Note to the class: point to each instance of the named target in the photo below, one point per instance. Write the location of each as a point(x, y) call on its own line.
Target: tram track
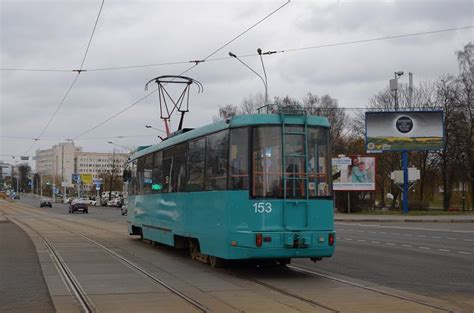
point(84, 302)
point(77, 291)
point(146, 273)
point(305, 270)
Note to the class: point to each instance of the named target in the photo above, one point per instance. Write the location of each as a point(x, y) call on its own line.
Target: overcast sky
point(54, 35)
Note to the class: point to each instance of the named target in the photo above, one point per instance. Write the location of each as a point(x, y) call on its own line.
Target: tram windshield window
point(216, 160)
point(196, 158)
point(238, 158)
point(319, 163)
point(266, 162)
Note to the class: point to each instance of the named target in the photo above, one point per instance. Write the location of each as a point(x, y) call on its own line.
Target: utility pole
point(410, 89)
point(112, 175)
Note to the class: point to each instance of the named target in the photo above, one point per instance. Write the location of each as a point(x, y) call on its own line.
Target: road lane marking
point(444, 250)
point(361, 240)
point(435, 237)
point(464, 252)
point(450, 238)
point(422, 236)
point(409, 235)
point(348, 238)
point(408, 246)
point(424, 248)
point(390, 243)
point(375, 241)
point(468, 240)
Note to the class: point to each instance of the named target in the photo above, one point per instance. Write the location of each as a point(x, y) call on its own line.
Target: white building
point(97, 163)
point(64, 159)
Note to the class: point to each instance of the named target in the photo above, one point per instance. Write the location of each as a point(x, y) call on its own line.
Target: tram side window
point(133, 181)
point(266, 162)
point(147, 173)
point(239, 158)
point(156, 175)
point(178, 179)
point(140, 177)
point(196, 158)
point(217, 160)
point(167, 169)
point(319, 162)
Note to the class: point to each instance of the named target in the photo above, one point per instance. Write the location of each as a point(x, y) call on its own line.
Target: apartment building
point(64, 159)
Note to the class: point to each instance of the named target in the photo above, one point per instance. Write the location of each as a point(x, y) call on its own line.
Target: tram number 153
point(262, 207)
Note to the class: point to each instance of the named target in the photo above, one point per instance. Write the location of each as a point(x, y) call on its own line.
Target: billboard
point(404, 130)
point(353, 174)
point(86, 179)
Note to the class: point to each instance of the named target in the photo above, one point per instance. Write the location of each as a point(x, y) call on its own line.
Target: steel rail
point(72, 283)
point(129, 263)
point(305, 270)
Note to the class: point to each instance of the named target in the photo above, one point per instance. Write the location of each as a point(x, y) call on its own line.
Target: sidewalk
point(343, 217)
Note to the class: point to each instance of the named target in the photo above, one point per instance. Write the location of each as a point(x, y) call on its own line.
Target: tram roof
point(234, 122)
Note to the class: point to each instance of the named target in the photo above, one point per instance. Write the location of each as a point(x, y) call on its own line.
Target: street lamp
point(264, 81)
point(394, 86)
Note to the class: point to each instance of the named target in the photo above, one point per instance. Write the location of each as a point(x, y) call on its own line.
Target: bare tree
point(328, 107)
point(466, 82)
point(226, 112)
point(251, 103)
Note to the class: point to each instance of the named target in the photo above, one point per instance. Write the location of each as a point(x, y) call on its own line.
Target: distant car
point(92, 202)
point(45, 202)
point(79, 205)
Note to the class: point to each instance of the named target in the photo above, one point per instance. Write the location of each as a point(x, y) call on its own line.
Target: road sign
point(76, 179)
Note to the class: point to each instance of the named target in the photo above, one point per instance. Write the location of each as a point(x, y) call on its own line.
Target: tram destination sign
point(404, 130)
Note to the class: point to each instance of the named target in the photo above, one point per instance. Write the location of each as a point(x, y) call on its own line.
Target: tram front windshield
point(293, 169)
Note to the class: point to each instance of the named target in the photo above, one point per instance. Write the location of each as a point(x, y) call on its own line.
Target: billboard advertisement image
point(353, 174)
point(404, 130)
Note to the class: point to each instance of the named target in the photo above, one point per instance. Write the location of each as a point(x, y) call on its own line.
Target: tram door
point(295, 177)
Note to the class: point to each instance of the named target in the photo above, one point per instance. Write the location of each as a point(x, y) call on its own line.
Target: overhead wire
point(391, 37)
point(197, 62)
point(247, 55)
point(35, 140)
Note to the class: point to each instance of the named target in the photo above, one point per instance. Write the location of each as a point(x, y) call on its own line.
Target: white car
point(92, 202)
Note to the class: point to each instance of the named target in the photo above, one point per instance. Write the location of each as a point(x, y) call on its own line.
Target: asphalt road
point(95, 212)
point(433, 259)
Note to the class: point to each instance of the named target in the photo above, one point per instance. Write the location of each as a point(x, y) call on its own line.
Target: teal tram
point(250, 187)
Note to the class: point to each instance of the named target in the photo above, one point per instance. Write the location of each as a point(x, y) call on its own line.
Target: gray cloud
point(54, 34)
